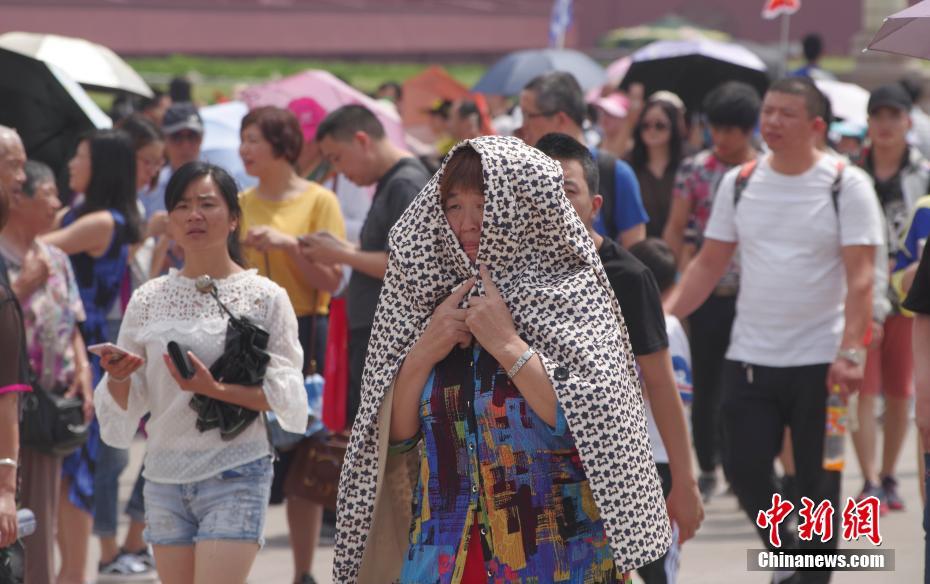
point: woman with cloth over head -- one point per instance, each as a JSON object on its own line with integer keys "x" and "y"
{"x": 499, "y": 344}
{"x": 205, "y": 496}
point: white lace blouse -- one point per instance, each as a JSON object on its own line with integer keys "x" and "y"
{"x": 170, "y": 308}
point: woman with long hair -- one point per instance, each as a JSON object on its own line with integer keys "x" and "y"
{"x": 657, "y": 151}
{"x": 96, "y": 232}
{"x": 497, "y": 344}
{"x": 205, "y": 494}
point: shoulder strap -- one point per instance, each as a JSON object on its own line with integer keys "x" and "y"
{"x": 742, "y": 179}
{"x": 837, "y": 185}
{"x": 607, "y": 168}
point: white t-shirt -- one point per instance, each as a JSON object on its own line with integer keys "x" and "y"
{"x": 793, "y": 283}
{"x": 680, "y": 351}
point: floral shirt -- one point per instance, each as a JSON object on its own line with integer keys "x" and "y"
{"x": 696, "y": 182}
{"x": 488, "y": 457}
{"x": 50, "y": 316}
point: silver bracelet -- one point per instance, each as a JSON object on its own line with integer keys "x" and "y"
{"x": 521, "y": 362}
{"x": 119, "y": 379}
{"x": 8, "y": 462}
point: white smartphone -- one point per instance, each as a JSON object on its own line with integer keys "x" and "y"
{"x": 103, "y": 349}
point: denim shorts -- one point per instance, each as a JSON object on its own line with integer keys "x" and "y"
{"x": 229, "y": 506}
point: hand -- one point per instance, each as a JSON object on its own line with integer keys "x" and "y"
{"x": 685, "y": 508}
{"x": 157, "y": 224}
{"x": 33, "y": 275}
{"x": 82, "y": 385}
{"x": 488, "y": 317}
{"x": 7, "y": 519}
{"x": 202, "y": 382}
{"x": 846, "y": 374}
{"x": 878, "y": 332}
{"x": 323, "y": 247}
{"x": 264, "y": 238}
{"x": 446, "y": 327}
{"x": 120, "y": 365}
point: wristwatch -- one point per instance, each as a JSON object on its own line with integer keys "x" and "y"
{"x": 854, "y": 356}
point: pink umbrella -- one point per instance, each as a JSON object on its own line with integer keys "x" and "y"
{"x": 616, "y": 71}
{"x": 329, "y": 91}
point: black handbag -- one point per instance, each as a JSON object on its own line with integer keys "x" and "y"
{"x": 243, "y": 362}
{"x": 49, "y": 423}
{"x": 52, "y": 424}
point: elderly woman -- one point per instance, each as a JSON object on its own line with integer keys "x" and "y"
{"x": 498, "y": 345}
{"x": 54, "y": 345}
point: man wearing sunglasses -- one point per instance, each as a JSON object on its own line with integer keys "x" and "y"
{"x": 183, "y": 130}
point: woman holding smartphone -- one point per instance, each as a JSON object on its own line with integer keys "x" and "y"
{"x": 205, "y": 497}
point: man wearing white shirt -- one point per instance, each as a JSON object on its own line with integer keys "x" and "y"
{"x": 804, "y": 303}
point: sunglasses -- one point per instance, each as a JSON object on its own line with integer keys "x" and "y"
{"x": 657, "y": 126}
{"x": 188, "y": 136}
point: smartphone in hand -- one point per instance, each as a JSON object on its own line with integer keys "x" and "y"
{"x": 180, "y": 360}
{"x": 104, "y": 349}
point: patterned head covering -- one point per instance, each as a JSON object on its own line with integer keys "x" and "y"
{"x": 547, "y": 270}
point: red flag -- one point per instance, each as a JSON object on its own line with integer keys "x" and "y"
{"x": 775, "y": 8}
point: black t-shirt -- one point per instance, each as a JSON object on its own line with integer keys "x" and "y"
{"x": 918, "y": 298}
{"x": 394, "y": 192}
{"x": 639, "y": 298}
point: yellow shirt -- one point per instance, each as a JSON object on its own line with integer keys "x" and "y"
{"x": 315, "y": 209}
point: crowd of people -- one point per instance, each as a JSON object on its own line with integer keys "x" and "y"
{"x": 545, "y": 322}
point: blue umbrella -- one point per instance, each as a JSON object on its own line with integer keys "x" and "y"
{"x": 511, "y": 74}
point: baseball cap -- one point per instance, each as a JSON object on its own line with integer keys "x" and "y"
{"x": 615, "y": 104}
{"x": 182, "y": 116}
{"x": 309, "y": 113}
{"x": 892, "y": 95}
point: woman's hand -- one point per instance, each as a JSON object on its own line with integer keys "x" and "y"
{"x": 323, "y": 247}
{"x": 489, "y": 319}
{"x": 446, "y": 327}
{"x": 202, "y": 382}
{"x": 82, "y": 385}
{"x": 7, "y": 519}
{"x": 264, "y": 238}
{"x": 120, "y": 366}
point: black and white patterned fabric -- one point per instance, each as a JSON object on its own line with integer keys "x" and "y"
{"x": 548, "y": 272}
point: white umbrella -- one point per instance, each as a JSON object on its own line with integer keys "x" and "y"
{"x": 848, "y": 100}
{"x": 88, "y": 63}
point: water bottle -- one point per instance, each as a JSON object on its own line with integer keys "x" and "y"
{"x": 25, "y": 523}
{"x": 834, "y": 440}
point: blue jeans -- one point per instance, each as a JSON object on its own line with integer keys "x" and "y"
{"x": 230, "y": 506}
{"x": 110, "y": 465}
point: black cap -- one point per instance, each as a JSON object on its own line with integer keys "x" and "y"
{"x": 893, "y": 95}
{"x": 182, "y": 116}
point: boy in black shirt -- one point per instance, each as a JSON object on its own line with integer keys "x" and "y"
{"x": 641, "y": 305}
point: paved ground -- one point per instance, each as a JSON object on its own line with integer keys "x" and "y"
{"x": 716, "y": 556}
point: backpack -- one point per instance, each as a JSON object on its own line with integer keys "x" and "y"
{"x": 748, "y": 168}
{"x": 607, "y": 187}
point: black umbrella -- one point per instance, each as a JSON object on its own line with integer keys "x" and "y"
{"x": 47, "y": 108}
{"x": 243, "y": 362}
{"x": 692, "y": 69}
